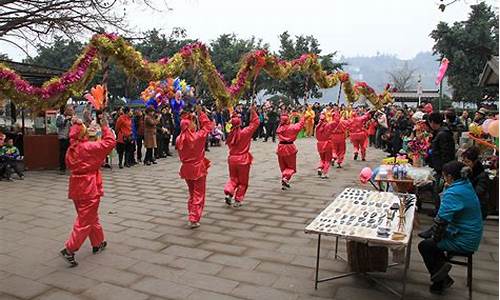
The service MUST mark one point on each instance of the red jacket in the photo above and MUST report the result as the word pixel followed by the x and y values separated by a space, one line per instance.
pixel 191 149
pixel 358 123
pixel 239 152
pixel 288 133
pixel 123 128
pixel 372 127
pixel 324 132
pixel 84 159
pixel 341 125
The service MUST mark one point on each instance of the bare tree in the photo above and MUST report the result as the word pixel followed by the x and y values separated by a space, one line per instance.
pixel 403 78
pixel 33 21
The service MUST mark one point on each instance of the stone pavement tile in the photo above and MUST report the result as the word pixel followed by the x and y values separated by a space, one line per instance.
pixel 112 260
pixel 158 271
pixel 8 297
pixel 144 234
pixel 138 224
pixel 34 255
pixel 196 266
pixel 208 282
pixel 234 225
pixel 224 248
pixel 68 281
pixel 266 222
pixel 287 239
pixel 259 292
pixel 105 291
pixel 244 234
pixel 285 268
pixel 22 287
pixel 234 261
pixel 349 293
pixel 28 269
pixel 151 256
pixel 4 274
pixel 160 288
pixel 300 286
pixel 203 295
pixel 6 259
pixel 215 237
pixel 56 294
pixel 252 277
pixel 112 275
pixel 268 255
pixel 186 252
pixel 143 243
pixel 259 244
pixel 177 240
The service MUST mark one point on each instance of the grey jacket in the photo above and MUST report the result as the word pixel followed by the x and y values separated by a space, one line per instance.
pixel 63 126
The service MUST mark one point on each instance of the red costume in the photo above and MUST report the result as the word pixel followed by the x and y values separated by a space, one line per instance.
pixel 324 132
pixel 358 134
pixel 287 152
pixel 84 159
pixel 240 159
pixel 338 138
pixel 191 148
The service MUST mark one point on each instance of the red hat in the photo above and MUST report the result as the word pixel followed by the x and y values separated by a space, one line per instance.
pixel 284 119
pixel 235 120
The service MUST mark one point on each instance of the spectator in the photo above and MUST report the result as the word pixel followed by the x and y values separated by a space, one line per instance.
pixel 480 116
pixel 10 155
pixel 139 129
pixel 457 227
pixel 123 129
pixel 478 178
pixel 149 136
pixel 63 123
pixel 271 122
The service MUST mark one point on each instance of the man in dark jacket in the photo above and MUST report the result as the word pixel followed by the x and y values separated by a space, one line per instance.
pixel 479 179
pixel 442 145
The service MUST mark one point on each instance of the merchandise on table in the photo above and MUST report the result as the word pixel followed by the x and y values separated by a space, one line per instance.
pixel 366 214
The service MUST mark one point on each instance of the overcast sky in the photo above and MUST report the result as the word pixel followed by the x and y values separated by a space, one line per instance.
pixel 351 27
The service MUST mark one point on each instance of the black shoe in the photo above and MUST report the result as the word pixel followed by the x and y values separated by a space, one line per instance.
pixel 439 287
pixel 69 258
pixel 107 166
pixel 363 159
pixel 127 165
pixel 442 273
pixel 339 166
pixel 228 199
pixel 207 150
pixel 154 162
pixel 355 156
pixel 285 184
pixel 100 248
pixel 62 172
pixel 426 234
pixel 120 166
pixel 147 163
pixel 169 154
pixel 320 172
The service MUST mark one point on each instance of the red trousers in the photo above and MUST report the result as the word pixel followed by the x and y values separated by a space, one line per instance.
pixel 86 225
pixel 237 183
pixel 358 140
pixel 325 160
pixel 338 147
pixel 196 200
pixel 288 165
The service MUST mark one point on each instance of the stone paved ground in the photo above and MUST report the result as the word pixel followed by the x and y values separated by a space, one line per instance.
pixel 259 251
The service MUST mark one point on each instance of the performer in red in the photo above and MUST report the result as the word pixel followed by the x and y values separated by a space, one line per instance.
pixel 239 159
pixel 324 132
pixel 358 134
pixel 84 159
pixel 287 152
pixel 338 139
pixel 191 148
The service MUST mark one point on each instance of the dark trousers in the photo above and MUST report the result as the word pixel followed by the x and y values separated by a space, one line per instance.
pixel 4 170
pixel 433 256
pixel 63 147
pixel 149 155
pixel 258 132
pixel 138 142
pixel 371 139
pixel 125 149
pixel 270 131
pixel 159 151
pixel 177 131
pixel 15 165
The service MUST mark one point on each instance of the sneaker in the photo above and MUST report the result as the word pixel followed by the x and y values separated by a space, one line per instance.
pixel 284 184
pixel 363 159
pixel 439 287
pixel 355 156
pixel 228 199
pixel 324 176
pixel 120 166
pixel 339 166
pixel 194 225
pixel 69 258
pixel 237 204
pixel 154 162
pixel 320 172
pixel 442 273
pixel 100 248
pixel 427 234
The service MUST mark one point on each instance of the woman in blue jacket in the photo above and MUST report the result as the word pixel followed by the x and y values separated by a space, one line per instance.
pixel 458 226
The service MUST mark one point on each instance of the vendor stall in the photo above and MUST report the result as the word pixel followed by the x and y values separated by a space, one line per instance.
pixel 370 221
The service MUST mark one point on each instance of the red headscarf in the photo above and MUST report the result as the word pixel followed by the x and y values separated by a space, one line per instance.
pixel 234 135
pixel 187 134
pixel 284 119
